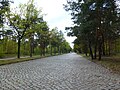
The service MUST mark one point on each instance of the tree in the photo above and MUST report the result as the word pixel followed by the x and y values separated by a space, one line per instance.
pixel 4 7
pixel 21 20
pixel 42 34
pixel 93 21
pixel 36 18
pixel 55 39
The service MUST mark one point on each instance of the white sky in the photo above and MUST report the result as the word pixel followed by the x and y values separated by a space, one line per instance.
pixel 56 16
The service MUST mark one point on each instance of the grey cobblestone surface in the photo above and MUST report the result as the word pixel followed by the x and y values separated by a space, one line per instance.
pixel 64 72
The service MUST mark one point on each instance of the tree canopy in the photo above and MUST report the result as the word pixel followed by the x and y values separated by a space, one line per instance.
pixel 96 25
pixel 25 32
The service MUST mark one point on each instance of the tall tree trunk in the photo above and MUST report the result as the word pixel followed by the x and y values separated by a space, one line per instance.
pixel 54 50
pixel 86 53
pixel 58 49
pixel 116 46
pixel 43 49
pixel 103 45
pixel 109 48
pixel 90 48
pixel 106 47
pixel 46 50
pixel 61 50
pixel 50 50
pixel 95 49
pixel 31 47
pixel 40 50
pixel 100 49
pixel 19 41
pixel 24 49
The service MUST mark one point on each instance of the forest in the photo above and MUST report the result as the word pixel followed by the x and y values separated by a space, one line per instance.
pixel 24 32
pixel 96 26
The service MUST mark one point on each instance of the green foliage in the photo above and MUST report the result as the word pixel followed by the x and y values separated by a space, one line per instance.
pixel 23 19
pixel 11 47
pixel 96 23
pixel 27 33
pixel 4 7
pixel 1 51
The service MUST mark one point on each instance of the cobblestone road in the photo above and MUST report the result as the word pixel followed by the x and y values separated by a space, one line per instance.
pixel 64 72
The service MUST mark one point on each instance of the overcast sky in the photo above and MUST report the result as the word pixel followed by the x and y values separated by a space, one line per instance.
pixel 56 16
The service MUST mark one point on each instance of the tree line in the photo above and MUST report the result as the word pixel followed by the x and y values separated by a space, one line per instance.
pixel 24 31
pixel 96 26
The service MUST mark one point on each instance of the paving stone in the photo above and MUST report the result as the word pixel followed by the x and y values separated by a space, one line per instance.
pixel 64 72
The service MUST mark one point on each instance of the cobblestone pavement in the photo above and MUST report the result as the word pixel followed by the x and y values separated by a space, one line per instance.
pixel 64 72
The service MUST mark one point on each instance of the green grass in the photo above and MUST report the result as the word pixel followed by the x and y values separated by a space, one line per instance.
pixel 112 63
pixel 7 55
pixel 4 62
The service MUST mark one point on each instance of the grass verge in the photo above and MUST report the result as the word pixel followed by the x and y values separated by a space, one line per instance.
pixel 11 61
pixel 112 63
pixel 4 62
